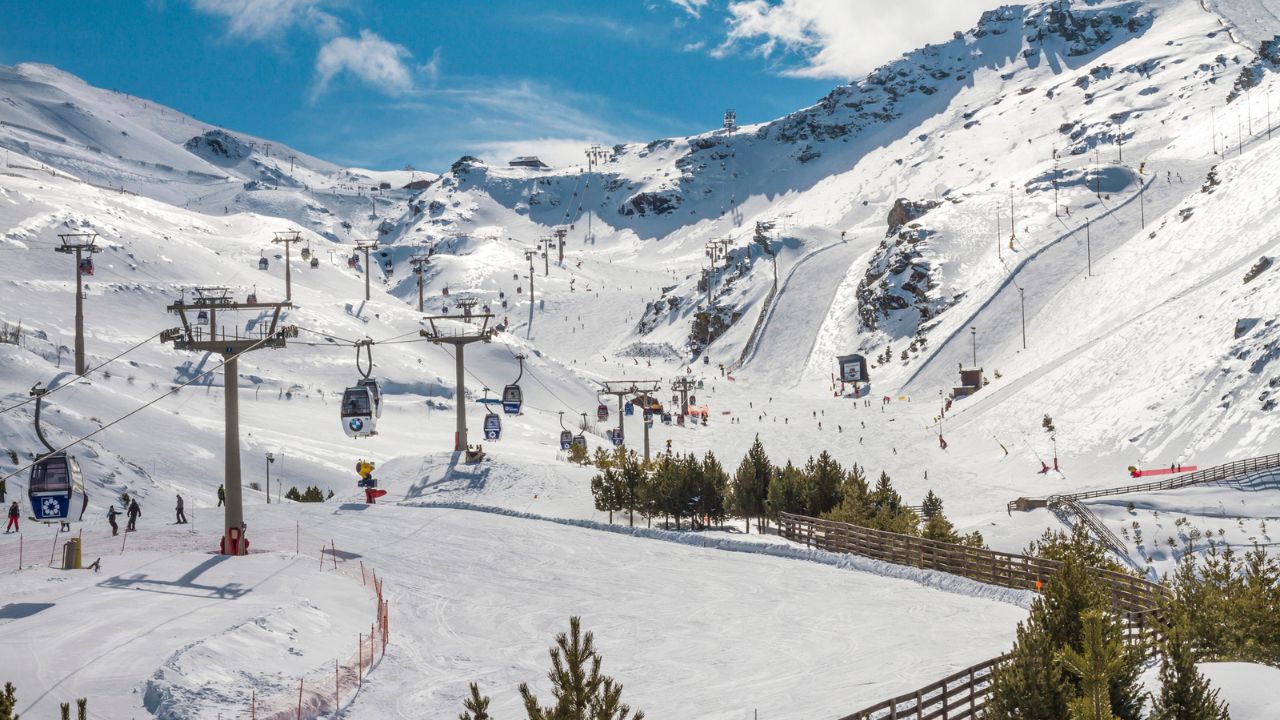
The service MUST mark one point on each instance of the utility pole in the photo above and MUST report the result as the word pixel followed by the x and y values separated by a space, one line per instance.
pixel 419 262
pixel 529 255
pixel 560 233
pixel 459 340
pixel 291 159
pixel 1088 248
pixel 77 244
pixel 366 246
pixel 634 388
pixel 288 238
pixel 270 459
pixel 1056 174
pixel 1142 194
pixel 973 332
pixel 999 236
pixel 595 154
pixel 545 242
pixel 1013 219
pixel 683 385
pixel 1022 300
pixel 231 346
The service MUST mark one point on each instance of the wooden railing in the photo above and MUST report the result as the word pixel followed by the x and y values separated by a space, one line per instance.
pixel 1129 595
pixel 963 694
pixel 955 697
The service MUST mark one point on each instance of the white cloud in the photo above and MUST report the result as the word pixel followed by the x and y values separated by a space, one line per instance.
pixel 375 61
pixel 264 19
pixel 693 7
pixel 843 39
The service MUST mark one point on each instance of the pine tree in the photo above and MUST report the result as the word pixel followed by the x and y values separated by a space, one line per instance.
pixel 475 707
pixel 937 527
pixel 8 700
pixel 931 506
pixel 823 477
pixel 633 474
pixel 82 708
pixel 578 454
pixel 609 492
pixel 786 491
pixel 1098 660
pixel 751 484
pixel 855 501
pixel 1031 684
pixel 579 690
pixel 1184 692
pixel 711 495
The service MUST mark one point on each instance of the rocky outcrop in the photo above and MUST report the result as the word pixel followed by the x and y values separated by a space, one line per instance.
pixel 218 146
pixel 905 211
pixel 1251 74
pixel 900 283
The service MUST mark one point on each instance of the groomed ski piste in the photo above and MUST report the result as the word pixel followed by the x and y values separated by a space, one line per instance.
pixel 1144 344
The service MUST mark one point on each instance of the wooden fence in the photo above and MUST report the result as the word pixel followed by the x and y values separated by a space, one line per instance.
pixel 1129 595
pixel 963 694
pixel 955 697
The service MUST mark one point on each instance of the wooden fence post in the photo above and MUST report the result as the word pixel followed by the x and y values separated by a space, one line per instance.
pixel 299 698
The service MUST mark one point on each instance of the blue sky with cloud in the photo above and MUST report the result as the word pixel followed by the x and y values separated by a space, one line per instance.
pixel 385 83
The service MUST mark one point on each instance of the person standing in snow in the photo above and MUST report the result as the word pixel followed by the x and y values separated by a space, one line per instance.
pixel 3 489
pixel 111 519
pixel 222 495
pixel 134 511
pixel 14 512
pixel 181 516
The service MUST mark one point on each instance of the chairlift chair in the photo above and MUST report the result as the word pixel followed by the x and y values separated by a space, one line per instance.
pixel 358 416
pixel 54 480
pixel 362 402
pixel 492 426
pixel 263 263
pixel 353 262
pixel 512 396
pixel 86 266
pixel 602 412
pixel 315 263
pixel 566 437
pixel 306 252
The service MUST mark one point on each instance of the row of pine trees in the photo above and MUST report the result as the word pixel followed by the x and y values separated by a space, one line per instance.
pixel 701 490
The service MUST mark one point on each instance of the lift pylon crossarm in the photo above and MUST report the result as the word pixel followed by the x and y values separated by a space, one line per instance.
pixel 213 301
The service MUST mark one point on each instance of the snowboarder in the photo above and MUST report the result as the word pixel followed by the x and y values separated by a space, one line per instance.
pixel 134 511
pixel 14 512
pixel 111 519
pixel 181 516
pixel 222 495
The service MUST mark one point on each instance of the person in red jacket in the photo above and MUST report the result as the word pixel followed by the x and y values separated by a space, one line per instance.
pixel 14 512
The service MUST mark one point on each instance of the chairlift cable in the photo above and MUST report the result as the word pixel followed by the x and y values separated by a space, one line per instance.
pixel 138 409
pixel 80 377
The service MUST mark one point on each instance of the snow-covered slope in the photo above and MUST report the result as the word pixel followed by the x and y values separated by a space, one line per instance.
pixel 877 220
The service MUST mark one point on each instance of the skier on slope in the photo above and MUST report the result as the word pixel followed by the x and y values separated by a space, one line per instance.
pixel 14 512
pixel 134 511
pixel 111 519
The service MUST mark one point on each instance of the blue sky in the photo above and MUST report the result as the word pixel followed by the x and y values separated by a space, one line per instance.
pixel 385 83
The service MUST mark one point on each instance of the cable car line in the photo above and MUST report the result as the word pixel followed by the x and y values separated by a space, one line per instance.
pixel 80 377
pixel 139 409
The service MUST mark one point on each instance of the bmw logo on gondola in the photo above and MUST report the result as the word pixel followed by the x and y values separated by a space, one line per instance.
pixel 356 424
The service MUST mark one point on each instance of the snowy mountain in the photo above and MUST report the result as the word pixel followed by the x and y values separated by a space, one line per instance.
pixel 1098 172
